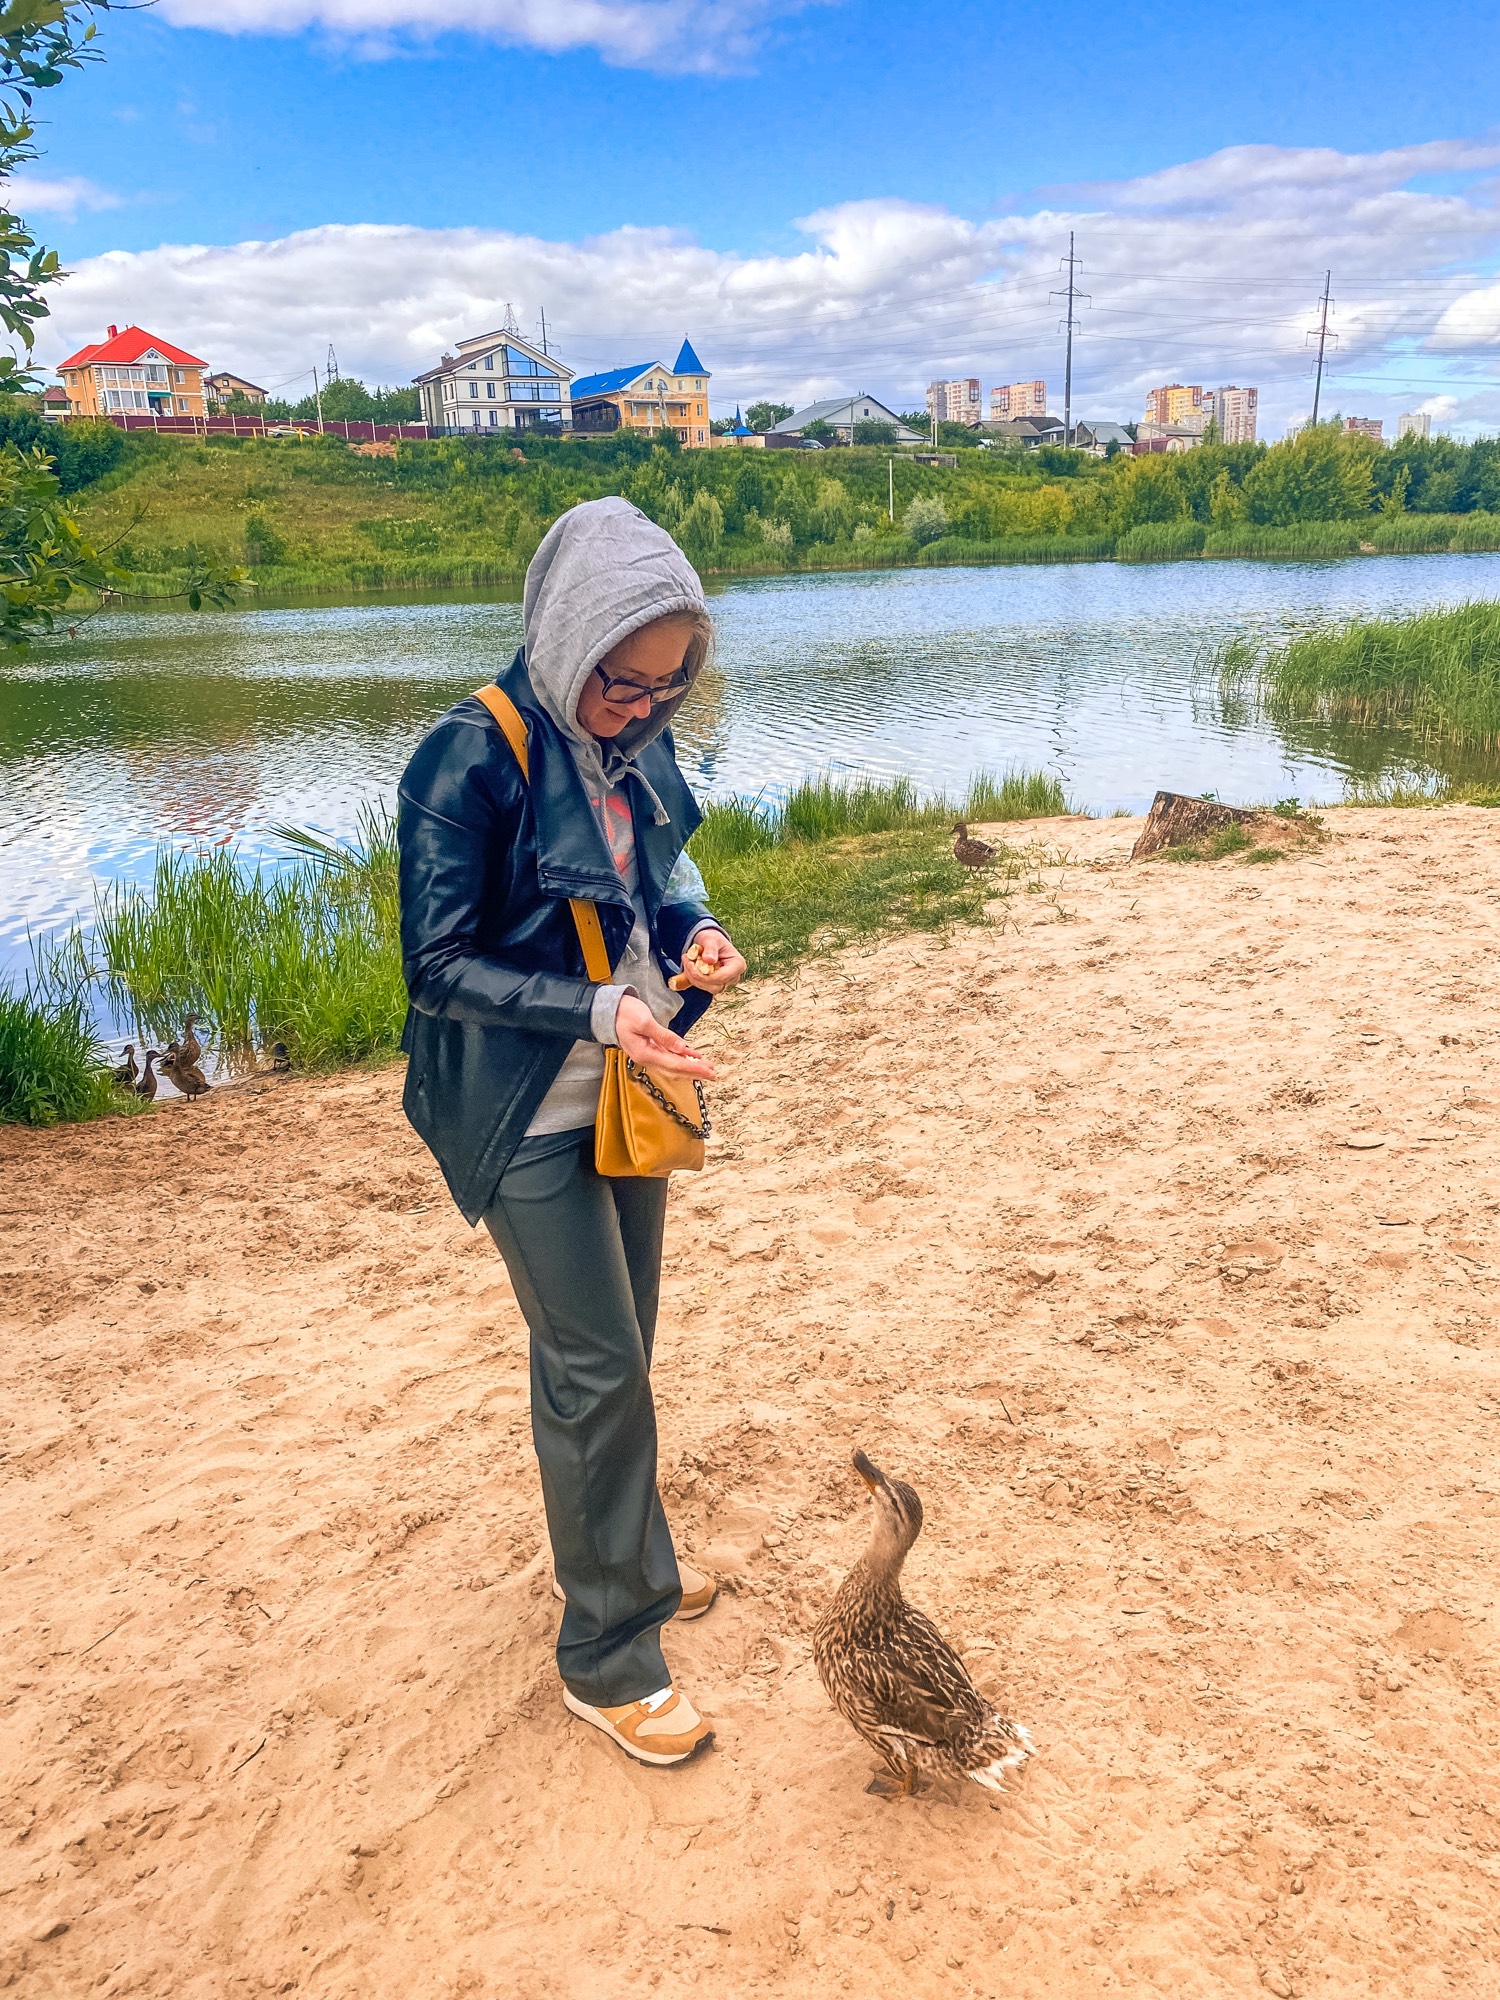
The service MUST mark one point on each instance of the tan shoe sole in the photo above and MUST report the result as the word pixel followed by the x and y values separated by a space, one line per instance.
pixel 623 1726
pixel 694 1602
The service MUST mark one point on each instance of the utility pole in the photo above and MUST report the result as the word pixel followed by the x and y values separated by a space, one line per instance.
pixel 544 329
pixel 1072 265
pixel 1322 343
pixel 890 468
pixel 318 399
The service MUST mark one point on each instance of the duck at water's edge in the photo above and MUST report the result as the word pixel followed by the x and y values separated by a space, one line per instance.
pixel 971 852
pixel 891 1673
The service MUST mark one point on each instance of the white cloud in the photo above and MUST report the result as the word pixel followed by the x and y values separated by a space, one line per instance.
pixel 681 34
pixel 30 194
pixel 1207 272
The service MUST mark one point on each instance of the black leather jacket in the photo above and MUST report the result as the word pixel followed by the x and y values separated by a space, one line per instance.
pixel 493 966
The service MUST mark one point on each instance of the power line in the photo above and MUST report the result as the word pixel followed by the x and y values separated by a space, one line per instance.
pixel 1322 344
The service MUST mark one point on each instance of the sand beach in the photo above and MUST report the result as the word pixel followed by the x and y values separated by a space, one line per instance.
pixel 1153 1237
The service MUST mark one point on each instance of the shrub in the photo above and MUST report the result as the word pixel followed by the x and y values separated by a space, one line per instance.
pixel 263 546
pixel 925 519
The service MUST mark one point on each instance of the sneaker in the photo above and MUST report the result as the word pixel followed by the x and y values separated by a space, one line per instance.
pixel 698 1592
pixel 665 1728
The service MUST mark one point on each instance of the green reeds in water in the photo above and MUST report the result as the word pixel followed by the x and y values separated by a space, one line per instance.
pixel 1306 540
pixel 51 1062
pixel 308 954
pixel 1436 671
pixel 1161 541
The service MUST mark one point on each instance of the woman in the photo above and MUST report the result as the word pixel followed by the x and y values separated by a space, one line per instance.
pixel 506 1039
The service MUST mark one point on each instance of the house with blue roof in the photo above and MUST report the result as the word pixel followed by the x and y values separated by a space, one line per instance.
pixel 648 398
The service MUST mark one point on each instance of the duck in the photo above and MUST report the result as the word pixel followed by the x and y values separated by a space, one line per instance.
pixel 186 1075
pixel 893 1676
pixel 125 1073
pixel 281 1062
pixel 191 1047
pixel 972 853
pixel 147 1084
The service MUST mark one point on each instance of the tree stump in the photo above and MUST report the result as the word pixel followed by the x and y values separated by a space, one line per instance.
pixel 1175 818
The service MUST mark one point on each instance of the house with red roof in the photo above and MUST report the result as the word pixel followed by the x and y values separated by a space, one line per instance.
pixel 133 374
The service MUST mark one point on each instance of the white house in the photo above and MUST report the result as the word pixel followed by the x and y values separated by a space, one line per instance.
pixel 841 414
pixel 496 382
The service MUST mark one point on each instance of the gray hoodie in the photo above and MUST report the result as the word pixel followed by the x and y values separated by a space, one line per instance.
pixel 602 572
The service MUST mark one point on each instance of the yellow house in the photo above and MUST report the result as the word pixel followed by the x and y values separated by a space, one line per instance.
pixel 647 397
pixel 133 373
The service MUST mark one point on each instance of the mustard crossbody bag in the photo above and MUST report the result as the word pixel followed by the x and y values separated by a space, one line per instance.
pixel 649 1123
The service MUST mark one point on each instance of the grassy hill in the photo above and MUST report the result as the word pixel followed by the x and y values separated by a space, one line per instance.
pixel 318 515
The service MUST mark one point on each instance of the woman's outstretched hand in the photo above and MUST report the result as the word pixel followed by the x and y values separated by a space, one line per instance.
pixel 712 963
pixel 643 1038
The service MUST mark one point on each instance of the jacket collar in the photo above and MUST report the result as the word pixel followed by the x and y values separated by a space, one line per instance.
pixel 572 858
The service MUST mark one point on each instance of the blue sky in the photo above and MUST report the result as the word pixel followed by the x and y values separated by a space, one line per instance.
pixel 946 149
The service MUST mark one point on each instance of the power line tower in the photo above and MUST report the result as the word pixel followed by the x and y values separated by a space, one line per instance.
pixel 331 372
pixel 1070 325
pixel 1321 334
pixel 510 324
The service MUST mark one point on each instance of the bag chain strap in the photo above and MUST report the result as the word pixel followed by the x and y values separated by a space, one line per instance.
pixel 638 1075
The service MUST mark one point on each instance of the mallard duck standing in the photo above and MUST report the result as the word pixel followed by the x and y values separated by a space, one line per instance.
pixel 892 1674
pixel 146 1087
pixel 190 1047
pixel 185 1074
pixel 972 853
pixel 281 1062
pixel 125 1073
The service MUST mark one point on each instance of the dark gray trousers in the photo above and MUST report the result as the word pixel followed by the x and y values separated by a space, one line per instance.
pixel 584 1256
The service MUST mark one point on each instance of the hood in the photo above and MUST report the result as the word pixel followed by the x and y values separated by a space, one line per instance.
pixel 602 572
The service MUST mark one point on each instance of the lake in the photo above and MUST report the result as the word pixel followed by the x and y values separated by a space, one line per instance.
pixel 160 726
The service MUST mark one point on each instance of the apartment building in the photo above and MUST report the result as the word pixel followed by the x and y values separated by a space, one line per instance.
pixel 647 396
pixel 1236 411
pixel 133 373
pixel 496 382
pixel 1017 399
pixel 1414 423
pixel 1370 427
pixel 955 402
pixel 1182 405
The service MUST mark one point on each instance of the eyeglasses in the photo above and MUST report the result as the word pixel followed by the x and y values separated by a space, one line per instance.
pixel 633 691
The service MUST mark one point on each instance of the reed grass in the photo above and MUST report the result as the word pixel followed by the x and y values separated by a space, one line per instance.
pixel 959 550
pixel 307 954
pixel 1437 672
pixel 1161 541
pixel 51 1061
pixel 1307 540
pixel 1414 534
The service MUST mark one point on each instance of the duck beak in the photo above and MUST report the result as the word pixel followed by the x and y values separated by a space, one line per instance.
pixel 872 1475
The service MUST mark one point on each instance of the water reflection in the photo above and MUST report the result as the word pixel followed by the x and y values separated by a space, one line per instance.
pixel 221 727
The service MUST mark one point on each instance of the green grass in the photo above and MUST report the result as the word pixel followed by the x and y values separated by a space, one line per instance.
pixel 841 859
pixel 51 1064
pixel 308 955
pixel 1414 534
pixel 1308 540
pixel 960 550
pixel 1231 839
pixel 1437 672
pixel 1161 541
